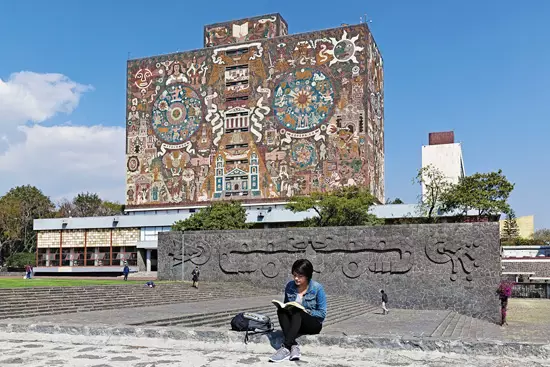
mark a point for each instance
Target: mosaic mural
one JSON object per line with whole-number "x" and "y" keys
{"x": 264, "y": 119}
{"x": 244, "y": 30}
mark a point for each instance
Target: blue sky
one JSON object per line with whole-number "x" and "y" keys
{"x": 480, "y": 68}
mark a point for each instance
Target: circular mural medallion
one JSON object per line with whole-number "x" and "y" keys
{"x": 176, "y": 114}
{"x": 344, "y": 50}
{"x": 133, "y": 164}
{"x": 303, "y": 155}
{"x": 303, "y": 99}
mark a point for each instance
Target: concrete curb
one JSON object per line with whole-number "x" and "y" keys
{"x": 460, "y": 346}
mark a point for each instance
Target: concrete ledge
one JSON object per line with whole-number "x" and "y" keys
{"x": 460, "y": 346}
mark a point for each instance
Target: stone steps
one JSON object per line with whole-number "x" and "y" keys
{"x": 339, "y": 309}
{"x": 128, "y": 298}
{"x": 17, "y": 303}
{"x": 444, "y": 325}
{"x": 457, "y": 326}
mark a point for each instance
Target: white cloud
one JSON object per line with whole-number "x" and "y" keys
{"x": 32, "y": 97}
{"x": 65, "y": 160}
{"x": 60, "y": 160}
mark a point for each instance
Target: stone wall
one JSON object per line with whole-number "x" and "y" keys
{"x": 443, "y": 266}
{"x": 541, "y": 267}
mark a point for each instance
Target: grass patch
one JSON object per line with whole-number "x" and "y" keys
{"x": 48, "y": 282}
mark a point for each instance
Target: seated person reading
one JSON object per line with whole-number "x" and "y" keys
{"x": 303, "y": 311}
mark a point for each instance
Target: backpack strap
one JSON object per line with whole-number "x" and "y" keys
{"x": 247, "y": 333}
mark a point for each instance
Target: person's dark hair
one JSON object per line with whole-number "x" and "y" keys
{"x": 303, "y": 267}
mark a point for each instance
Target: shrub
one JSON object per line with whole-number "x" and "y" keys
{"x": 523, "y": 242}
{"x": 19, "y": 260}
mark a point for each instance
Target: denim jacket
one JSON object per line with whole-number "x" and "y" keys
{"x": 314, "y": 300}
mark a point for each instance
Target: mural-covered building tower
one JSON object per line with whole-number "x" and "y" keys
{"x": 257, "y": 115}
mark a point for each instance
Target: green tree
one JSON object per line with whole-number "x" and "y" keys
{"x": 510, "y": 229}
{"x": 88, "y": 205}
{"x": 542, "y": 235}
{"x": 435, "y": 186}
{"x": 112, "y": 208}
{"x": 394, "y": 201}
{"x": 21, "y": 259}
{"x": 486, "y": 193}
{"x": 18, "y": 208}
{"x": 218, "y": 216}
{"x": 346, "y": 206}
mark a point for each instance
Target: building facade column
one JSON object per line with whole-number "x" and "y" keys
{"x": 148, "y": 260}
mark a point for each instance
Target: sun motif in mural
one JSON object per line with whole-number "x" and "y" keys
{"x": 344, "y": 49}
{"x": 176, "y": 114}
{"x": 303, "y": 99}
{"x": 304, "y": 155}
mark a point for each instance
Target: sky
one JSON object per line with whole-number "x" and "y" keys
{"x": 480, "y": 68}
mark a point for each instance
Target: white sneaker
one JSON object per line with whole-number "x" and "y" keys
{"x": 295, "y": 353}
{"x": 281, "y": 355}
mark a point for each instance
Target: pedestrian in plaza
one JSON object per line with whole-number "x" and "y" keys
{"x": 384, "y": 302}
{"x": 504, "y": 292}
{"x": 305, "y": 320}
{"x": 195, "y": 275}
{"x": 126, "y": 270}
{"x": 28, "y": 271}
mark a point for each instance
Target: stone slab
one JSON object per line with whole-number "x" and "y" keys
{"x": 44, "y": 350}
{"x": 223, "y": 337}
{"x": 439, "y": 266}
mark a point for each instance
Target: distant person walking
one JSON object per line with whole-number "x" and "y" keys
{"x": 126, "y": 271}
{"x": 504, "y": 292}
{"x": 28, "y": 271}
{"x": 503, "y": 310}
{"x": 384, "y": 302}
{"x": 195, "y": 275}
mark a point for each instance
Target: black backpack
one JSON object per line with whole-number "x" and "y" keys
{"x": 251, "y": 323}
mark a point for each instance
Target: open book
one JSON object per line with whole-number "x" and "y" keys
{"x": 288, "y": 305}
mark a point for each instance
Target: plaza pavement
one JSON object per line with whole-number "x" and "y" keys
{"x": 43, "y": 350}
{"x": 358, "y": 336}
{"x": 527, "y": 319}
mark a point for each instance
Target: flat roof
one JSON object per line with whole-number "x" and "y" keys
{"x": 254, "y": 215}
{"x": 544, "y": 247}
{"x": 258, "y": 213}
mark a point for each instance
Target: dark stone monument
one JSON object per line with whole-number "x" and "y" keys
{"x": 430, "y": 266}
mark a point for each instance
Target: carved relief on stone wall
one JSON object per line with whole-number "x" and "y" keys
{"x": 198, "y": 253}
{"x": 326, "y": 254}
{"x": 353, "y": 258}
{"x": 460, "y": 256}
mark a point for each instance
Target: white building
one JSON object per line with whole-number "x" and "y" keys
{"x": 445, "y": 155}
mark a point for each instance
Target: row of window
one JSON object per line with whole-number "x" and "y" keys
{"x": 151, "y": 233}
{"x": 91, "y": 256}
